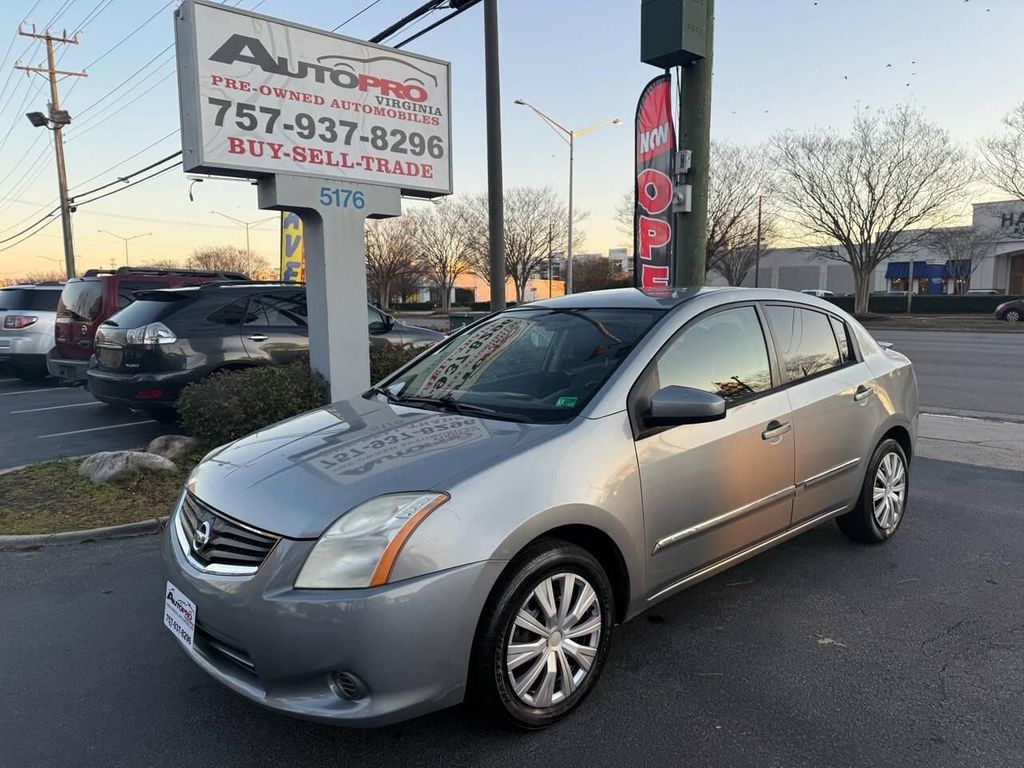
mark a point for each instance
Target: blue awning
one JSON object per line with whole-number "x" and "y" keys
{"x": 897, "y": 270}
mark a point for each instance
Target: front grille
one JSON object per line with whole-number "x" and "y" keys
{"x": 231, "y": 547}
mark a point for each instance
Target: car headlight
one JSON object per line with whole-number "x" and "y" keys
{"x": 360, "y": 548}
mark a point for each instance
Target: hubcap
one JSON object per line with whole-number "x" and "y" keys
{"x": 554, "y": 638}
{"x": 890, "y": 491}
{"x": 1013, "y": 316}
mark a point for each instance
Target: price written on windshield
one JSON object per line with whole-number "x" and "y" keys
{"x": 249, "y": 117}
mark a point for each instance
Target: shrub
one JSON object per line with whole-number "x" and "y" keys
{"x": 230, "y": 404}
{"x": 384, "y": 361}
{"x": 927, "y": 304}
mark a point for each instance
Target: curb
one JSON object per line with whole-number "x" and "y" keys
{"x": 31, "y": 541}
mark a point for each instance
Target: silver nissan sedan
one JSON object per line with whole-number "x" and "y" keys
{"x": 478, "y": 523}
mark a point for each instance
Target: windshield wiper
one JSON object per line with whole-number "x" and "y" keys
{"x": 449, "y": 403}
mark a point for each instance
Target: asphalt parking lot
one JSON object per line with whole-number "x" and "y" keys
{"x": 817, "y": 653}
{"x": 43, "y": 421}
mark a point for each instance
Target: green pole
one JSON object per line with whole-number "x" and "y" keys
{"x": 695, "y": 135}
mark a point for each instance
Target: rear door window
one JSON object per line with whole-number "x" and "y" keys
{"x": 29, "y": 299}
{"x": 285, "y": 310}
{"x": 235, "y": 313}
{"x": 804, "y": 339}
{"x": 843, "y": 337}
{"x": 81, "y": 300}
{"x": 144, "y": 312}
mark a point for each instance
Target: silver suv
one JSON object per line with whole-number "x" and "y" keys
{"x": 27, "y": 315}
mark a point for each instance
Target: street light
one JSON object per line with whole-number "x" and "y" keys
{"x": 569, "y": 137}
{"x": 126, "y": 239}
{"x": 245, "y": 224}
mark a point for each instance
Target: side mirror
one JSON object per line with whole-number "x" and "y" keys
{"x": 683, "y": 405}
{"x": 389, "y": 321}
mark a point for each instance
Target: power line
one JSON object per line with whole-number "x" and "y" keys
{"x": 91, "y": 16}
{"x": 117, "y": 87}
{"x": 64, "y": 8}
{"x": 32, "y": 234}
{"x": 129, "y": 36}
{"x": 95, "y": 123}
{"x": 439, "y": 22}
{"x": 80, "y": 203}
{"x": 355, "y": 15}
{"x": 124, "y": 179}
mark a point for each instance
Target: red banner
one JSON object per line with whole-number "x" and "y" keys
{"x": 652, "y": 211}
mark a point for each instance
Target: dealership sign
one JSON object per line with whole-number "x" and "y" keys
{"x": 652, "y": 214}
{"x": 261, "y": 96}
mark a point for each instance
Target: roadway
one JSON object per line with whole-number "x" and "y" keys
{"x": 817, "y": 653}
{"x": 968, "y": 373}
{"x": 45, "y": 421}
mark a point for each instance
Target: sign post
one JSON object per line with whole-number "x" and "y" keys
{"x": 335, "y": 130}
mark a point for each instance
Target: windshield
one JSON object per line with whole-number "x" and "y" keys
{"x": 538, "y": 365}
{"x": 81, "y": 300}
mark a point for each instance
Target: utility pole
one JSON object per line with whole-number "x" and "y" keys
{"x": 757, "y": 250}
{"x": 57, "y": 119}
{"x": 495, "y": 185}
{"x": 695, "y": 135}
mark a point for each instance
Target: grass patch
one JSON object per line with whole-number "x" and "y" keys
{"x": 52, "y": 497}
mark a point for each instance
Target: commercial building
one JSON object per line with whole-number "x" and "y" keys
{"x": 993, "y": 261}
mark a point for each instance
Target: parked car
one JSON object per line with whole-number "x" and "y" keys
{"x": 479, "y": 522}
{"x": 819, "y": 293}
{"x": 984, "y": 292}
{"x": 166, "y": 339}
{"x": 89, "y": 300}
{"x": 27, "y": 314}
{"x": 1011, "y": 311}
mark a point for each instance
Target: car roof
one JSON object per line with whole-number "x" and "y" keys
{"x": 621, "y": 298}
{"x": 670, "y": 298}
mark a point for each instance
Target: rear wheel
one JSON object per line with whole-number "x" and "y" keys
{"x": 883, "y": 499}
{"x": 544, "y": 636}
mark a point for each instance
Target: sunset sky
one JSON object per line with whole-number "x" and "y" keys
{"x": 784, "y": 64}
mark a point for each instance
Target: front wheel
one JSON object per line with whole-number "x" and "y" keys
{"x": 883, "y": 498}
{"x": 544, "y": 635}
{"x": 1012, "y": 316}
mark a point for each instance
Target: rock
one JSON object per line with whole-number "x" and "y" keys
{"x": 109, "y": 465}
{"x": 172, "y": 446}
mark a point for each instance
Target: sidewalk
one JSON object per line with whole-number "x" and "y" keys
{"x": 984, "y": 442}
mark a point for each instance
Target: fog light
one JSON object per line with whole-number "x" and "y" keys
{"x": 149, "y": 394}
{"x": 348, "y": 686}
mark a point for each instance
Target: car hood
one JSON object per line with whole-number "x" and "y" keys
{"x": 297, "y": 477}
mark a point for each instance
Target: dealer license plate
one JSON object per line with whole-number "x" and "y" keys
{"x": 179, "y": 615}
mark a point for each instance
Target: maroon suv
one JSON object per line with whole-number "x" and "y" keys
{"x": 87, "y": 301}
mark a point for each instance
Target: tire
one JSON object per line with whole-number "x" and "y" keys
{"x": 889, "y": 471}
{"x": 1012, "y": 316}
{"x": 543, "y": 568}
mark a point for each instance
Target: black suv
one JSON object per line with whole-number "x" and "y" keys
{"x": 150, "y": 350}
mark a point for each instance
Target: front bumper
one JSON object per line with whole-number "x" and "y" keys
{"x": 408, "y": 642}
{"x": 123, "y": 389}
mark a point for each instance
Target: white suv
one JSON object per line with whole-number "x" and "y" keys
{"x": 27, "y": 315}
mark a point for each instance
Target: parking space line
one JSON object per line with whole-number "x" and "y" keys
{"x": 34, "y": 391}
{"x": 97, "y": 429}
{"x": 55, "y": 407}
{"x": 8, "y": 381}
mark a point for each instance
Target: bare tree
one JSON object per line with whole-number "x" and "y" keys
{"x": 597, "y": 273}
{"x": 1002, "y": 155}
{"x": 624, "y": 211}
{"x": 739, "y": 177}
{"x": 390, "y": 255}
{"x": 963, "y": 248}
{"x": 536, "y": 223}
{"x": 39, "y": 276}
{"x": 869, "y": 195}
{"x": 443, "y": 239}
{"x": 227, "y": 258}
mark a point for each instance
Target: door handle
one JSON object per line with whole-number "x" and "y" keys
{"x": 775, "y": 429}
{"x": 863, "y": 393}
{"x": 258, "y": 337}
